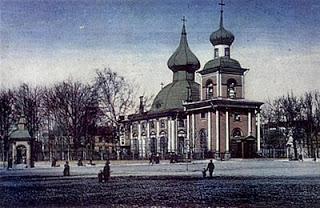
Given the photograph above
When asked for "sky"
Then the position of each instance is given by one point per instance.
(47, 41)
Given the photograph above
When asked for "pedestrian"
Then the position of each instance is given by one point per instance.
(106, 171)
(100, 176)
(66, 171)
(204, 172)
(54, 162)
(210, 168)
(10, 161)
(157, 159)
(80, 162)
(151, 160)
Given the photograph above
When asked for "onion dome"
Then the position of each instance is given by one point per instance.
(183, 59)
(221, 36)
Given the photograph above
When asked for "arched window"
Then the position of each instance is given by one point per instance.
(180, 144)
(209, 89)
(232, 88)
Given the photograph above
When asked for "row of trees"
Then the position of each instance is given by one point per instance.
(69, 108)
(299, 118)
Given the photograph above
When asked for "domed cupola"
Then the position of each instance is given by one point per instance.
(221, 36)
(183, 59)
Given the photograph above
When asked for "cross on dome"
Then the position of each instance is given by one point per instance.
(222, 4)
(221, 36)
(184, 20)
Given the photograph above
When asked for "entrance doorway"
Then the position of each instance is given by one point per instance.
(21, 154)
(243, 148)
(180, 145)
(153, 146)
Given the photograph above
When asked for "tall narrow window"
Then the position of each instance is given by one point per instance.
(232, 88)
(216, 52)
(227, 52)
(152, 124)
(209, 89)
(162, 124)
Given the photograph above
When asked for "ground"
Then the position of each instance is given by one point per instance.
(236, 183)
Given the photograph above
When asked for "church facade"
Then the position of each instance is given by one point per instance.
(207, 120)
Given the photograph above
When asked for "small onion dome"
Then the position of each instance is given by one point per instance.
(221, 36)
(183, 58)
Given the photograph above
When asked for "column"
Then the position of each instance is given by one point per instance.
(242, 83)
(140, 140)
(28, 156)
(209, 130)
(169, 133)
(143, 143)
(258, 131)
(227, 131)
(131, 139)
(193, 146)
(249, 123)
(158, 136)
(217, 81)
(176, 136)
(14, 149)
(173, 135)
(148, 139)
(188, 130)
(220, 85)
(217, 133)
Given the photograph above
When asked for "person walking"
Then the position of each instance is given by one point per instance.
(66, 171)
(210, 167)
(106, 171)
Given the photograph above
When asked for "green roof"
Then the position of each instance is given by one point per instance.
(174, 94)
(20, 134)
(183, 58)
(224, 64)
(221, 36)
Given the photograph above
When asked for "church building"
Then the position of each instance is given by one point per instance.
(207, 120)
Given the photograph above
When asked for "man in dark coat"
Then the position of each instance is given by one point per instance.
(210, 168)
(66, 171)
(106, 171)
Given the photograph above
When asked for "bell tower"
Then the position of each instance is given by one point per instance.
(222, 77)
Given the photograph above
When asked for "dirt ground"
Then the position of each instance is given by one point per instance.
(162, 191)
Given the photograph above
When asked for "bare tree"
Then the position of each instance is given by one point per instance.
(316, 130)
(74, 109)
(272, 119)
(292, 112)
(28, 103)
(307, 103)
(6, 120)
(115, 95)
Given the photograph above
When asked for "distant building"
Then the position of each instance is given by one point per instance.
(210, 119)
(20, 144)
(279, 139)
